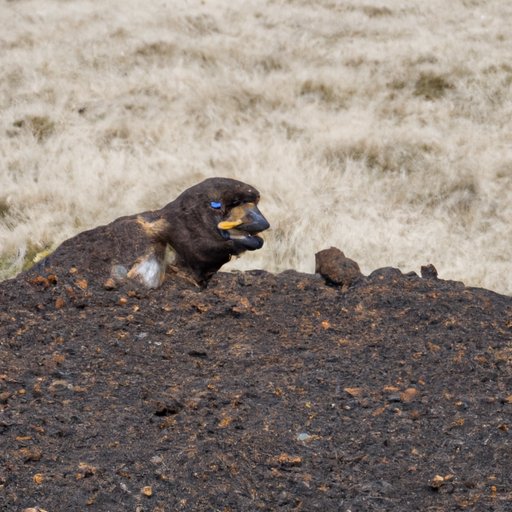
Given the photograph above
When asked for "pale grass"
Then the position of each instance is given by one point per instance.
(382, 128)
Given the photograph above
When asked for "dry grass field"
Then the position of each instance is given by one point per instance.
(381, 127)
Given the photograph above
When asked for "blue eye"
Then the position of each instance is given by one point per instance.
(215, 205)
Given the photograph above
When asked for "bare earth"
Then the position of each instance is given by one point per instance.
(263, 392)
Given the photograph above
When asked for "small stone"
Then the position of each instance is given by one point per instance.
(147, 491)
(325, 324)
(336, 268)
(408, 395)
(354, 392)
(225, 422)
(109, 284)
(289, 460)
(119, 272)
(85, 470)
(438, 481)
(82, 284)
(38, 478)
(31, 454)
(428, 271)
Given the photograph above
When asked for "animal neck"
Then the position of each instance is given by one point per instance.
(193, 255)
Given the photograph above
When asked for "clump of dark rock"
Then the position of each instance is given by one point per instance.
(262, 392)
(336, 268)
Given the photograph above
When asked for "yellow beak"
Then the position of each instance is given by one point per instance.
(229, 224)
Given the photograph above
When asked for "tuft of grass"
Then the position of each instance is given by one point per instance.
(389, 158)
(325, 92)
(160, 49)
(431, 86)
(270, 63)
(115, 135)
(202, 24)
(34, 254)
(4, 207)
(41, 127)
(376, 12)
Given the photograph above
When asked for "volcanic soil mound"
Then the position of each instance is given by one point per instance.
(265, 392)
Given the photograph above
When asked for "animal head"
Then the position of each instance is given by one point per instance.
(212, 221)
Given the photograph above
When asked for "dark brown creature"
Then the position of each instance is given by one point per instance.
(203, 227)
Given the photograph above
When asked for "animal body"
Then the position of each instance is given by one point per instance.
(192, 236)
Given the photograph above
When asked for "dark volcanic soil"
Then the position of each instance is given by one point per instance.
(262, 392)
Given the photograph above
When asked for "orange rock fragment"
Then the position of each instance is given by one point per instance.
(289, 460)
(147, 491)
(379, 411)
(433, 347)
(459, 422)
(38, 478)
(224, 422)
(85, 470)
(32, 454)
(82, 284)
(438, 481)
(109, 284)
(58, 358)
(408, 395)
(355, 392)
(40, 280)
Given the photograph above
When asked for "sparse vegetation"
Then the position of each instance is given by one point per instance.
(159, 49)
(4, 207)
(373, 11)
(41, 127)
(431, 86)
(344, 114)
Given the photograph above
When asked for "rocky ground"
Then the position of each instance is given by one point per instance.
(262, 392)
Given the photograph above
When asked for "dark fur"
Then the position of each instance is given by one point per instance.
(188, 224)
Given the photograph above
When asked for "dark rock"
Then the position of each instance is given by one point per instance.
(428, 271)
(336, 268)
(386, 273)
(166, 407)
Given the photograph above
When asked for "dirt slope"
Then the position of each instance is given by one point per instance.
(262, 392)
